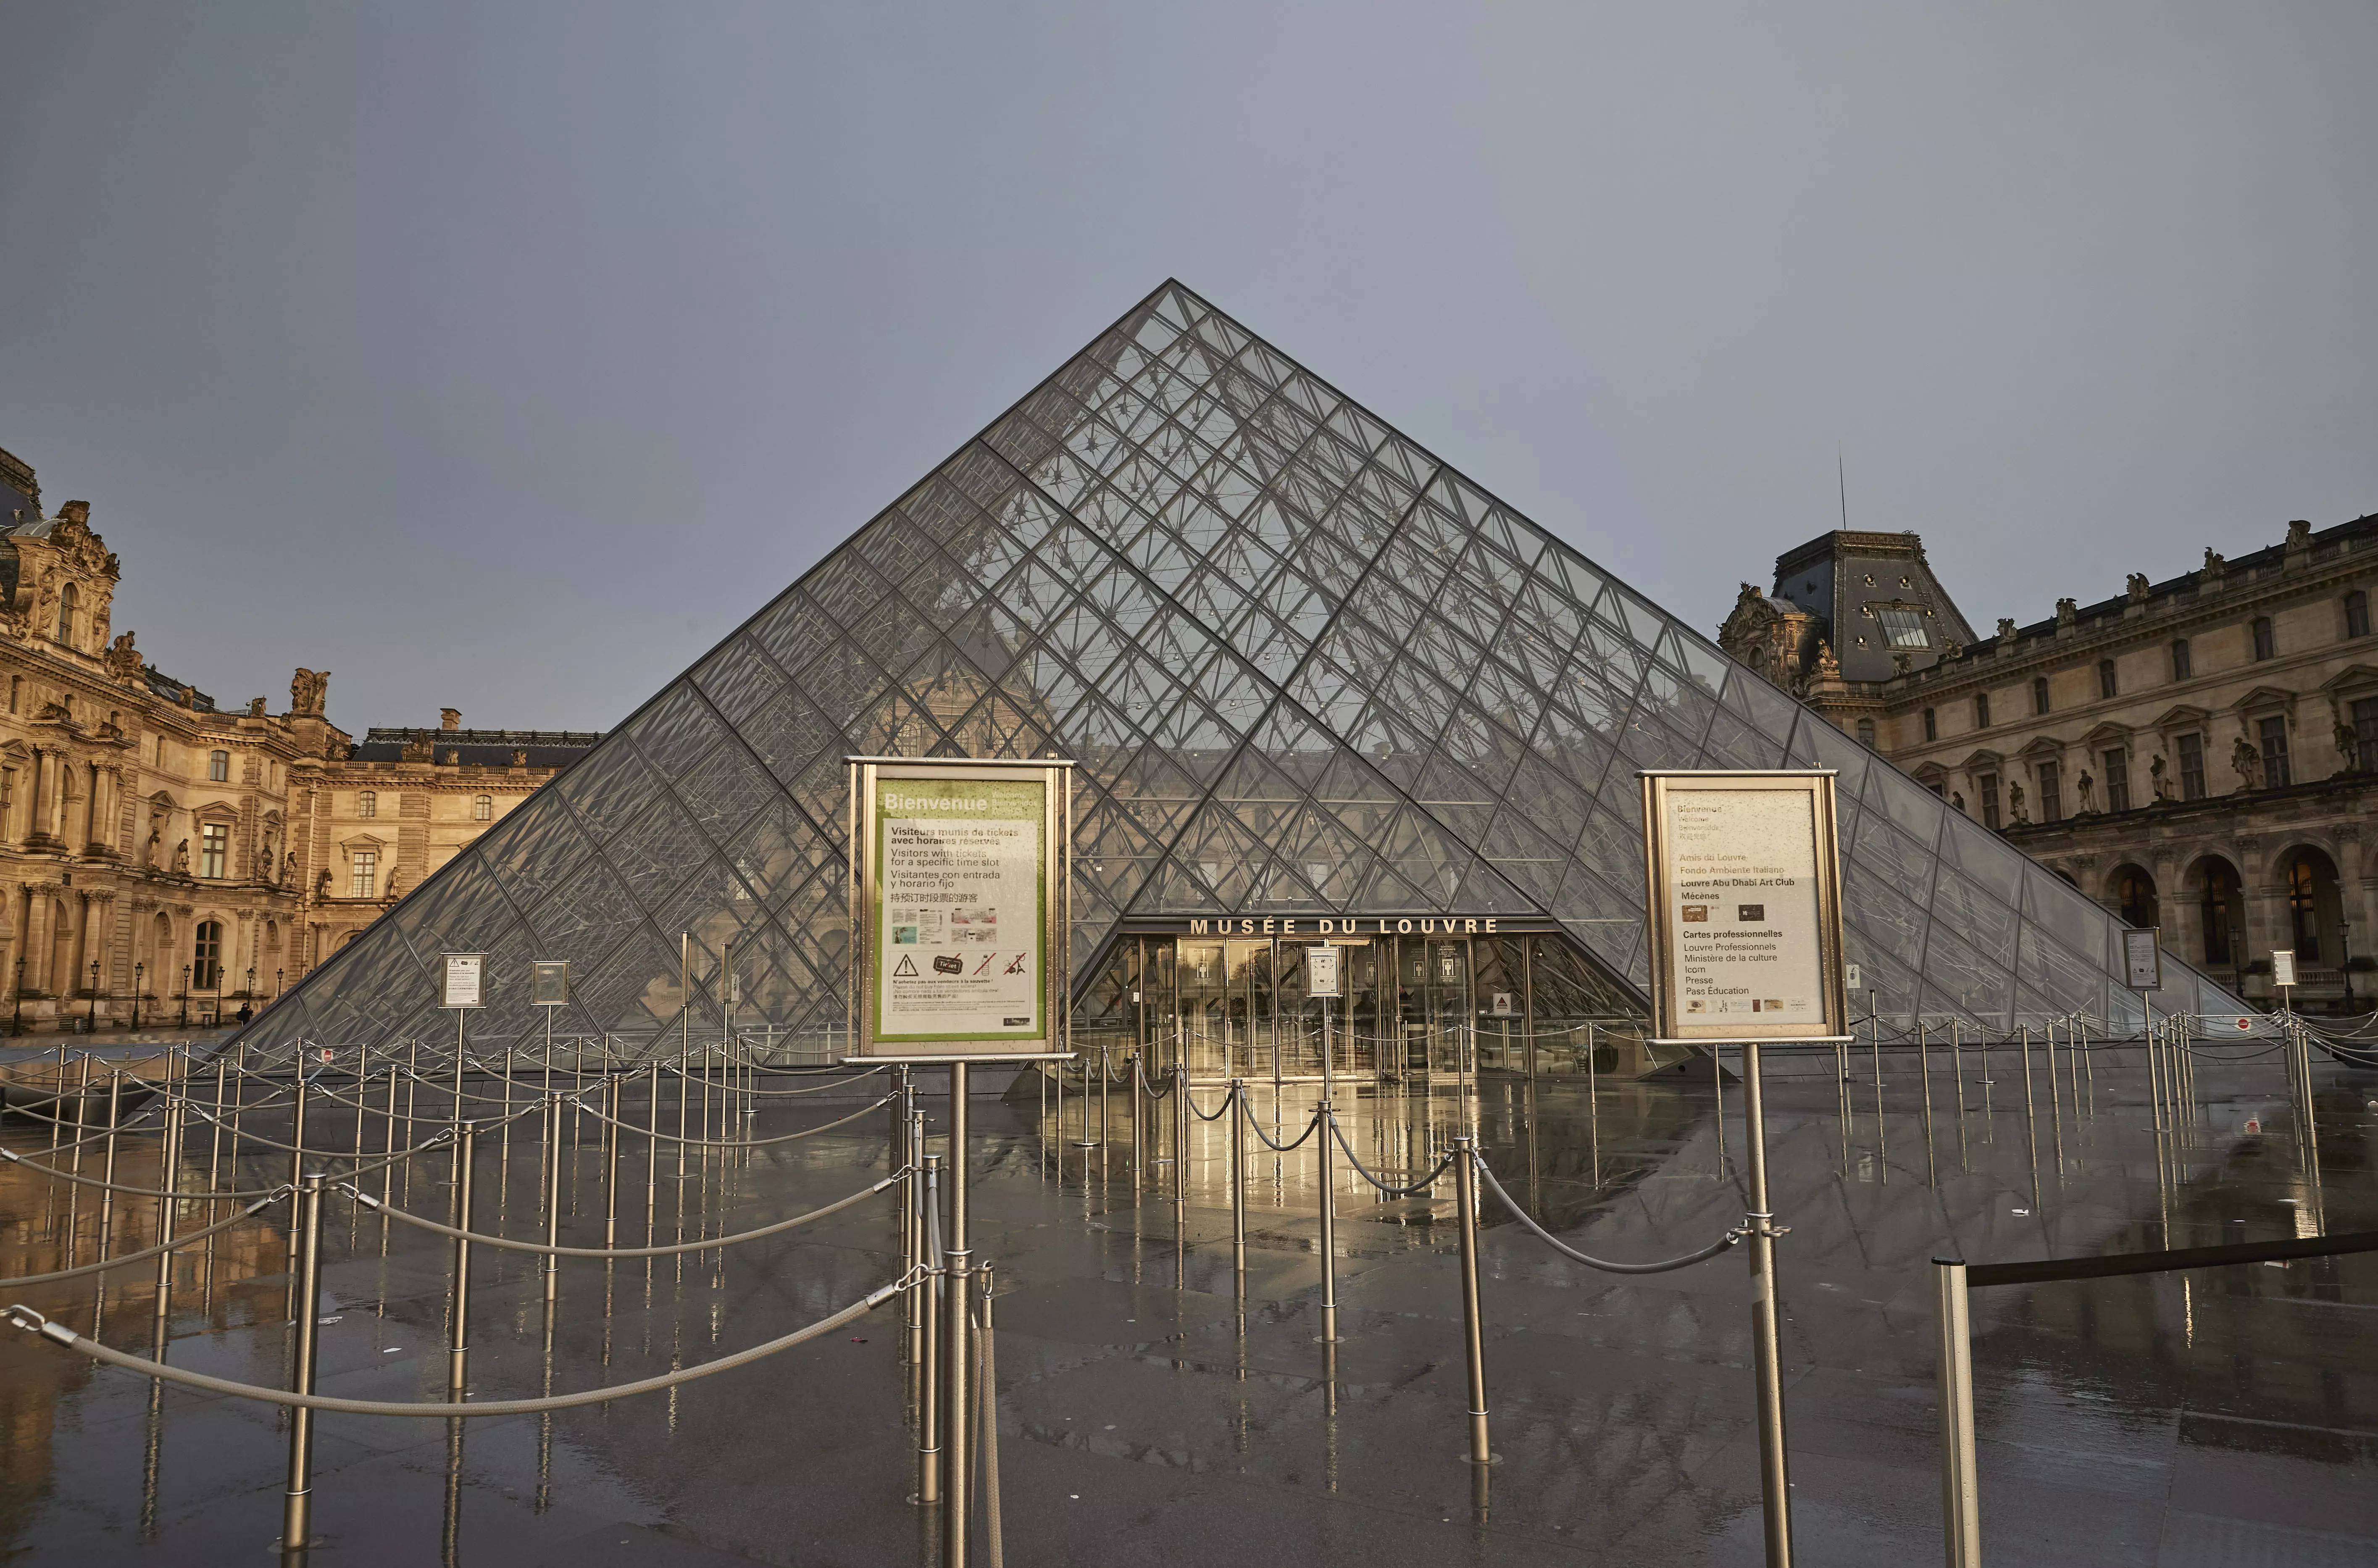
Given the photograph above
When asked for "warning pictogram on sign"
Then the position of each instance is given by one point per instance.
(905, 968)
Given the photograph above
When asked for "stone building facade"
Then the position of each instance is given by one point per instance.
(163, 859)
(2199, 754)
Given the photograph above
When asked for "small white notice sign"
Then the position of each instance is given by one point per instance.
(2141, 960)
(2282, 967)
(464, 980)
(1746, 924)
(1321, 971)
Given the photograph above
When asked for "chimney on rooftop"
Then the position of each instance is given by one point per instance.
(450, 718)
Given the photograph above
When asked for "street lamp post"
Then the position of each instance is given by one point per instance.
(276, 985)
(93, 1027)
(186, 997)
(136, 968)
(2345, 958)
(250, 994)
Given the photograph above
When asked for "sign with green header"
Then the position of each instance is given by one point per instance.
(960, 912)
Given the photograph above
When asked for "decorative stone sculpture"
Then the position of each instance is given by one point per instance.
(2014, 806)
(123, 660)
(2161, 784)
(2088, 790)
(181, 858)
(2006, 629)
(306, 691)
(2136, 584)
(2248, 764)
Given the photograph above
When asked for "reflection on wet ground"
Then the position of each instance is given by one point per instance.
(1152, 1411)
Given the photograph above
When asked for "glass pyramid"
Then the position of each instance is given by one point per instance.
(1305, 668)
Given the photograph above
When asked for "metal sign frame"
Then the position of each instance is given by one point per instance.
(2142, 955)
(1322, 964)
(1671, 1021)
(1052, 1035)
(548, 982)
(468, 968)
(2283, 968)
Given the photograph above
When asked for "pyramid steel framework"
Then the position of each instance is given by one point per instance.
(1307, 668)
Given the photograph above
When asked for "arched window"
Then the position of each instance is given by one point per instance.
(67, 597)
(2134, 892)
(2220, 908)
(218, 767)
(2303, 903)
(368, 804)
(483, 809)
(206, 956)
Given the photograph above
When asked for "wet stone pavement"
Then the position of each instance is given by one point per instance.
(1152, 1411)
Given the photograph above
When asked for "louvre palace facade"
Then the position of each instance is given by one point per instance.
(2198, 753)
(163, 860)
(1320, 686)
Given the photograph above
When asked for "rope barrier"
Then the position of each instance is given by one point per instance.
(15, 1158)
(1265, 1137)
(1423, 1185)
(737, 1143)
(105, 1263)
(702, 1245)
(1605, 1265)
(24, 1317)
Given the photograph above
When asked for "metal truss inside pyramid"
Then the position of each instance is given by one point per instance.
(1305, 668)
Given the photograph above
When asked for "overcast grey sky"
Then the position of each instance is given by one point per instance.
(507, 355)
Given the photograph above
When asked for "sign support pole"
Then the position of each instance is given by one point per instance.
(1767, 1351)
(958, 1316)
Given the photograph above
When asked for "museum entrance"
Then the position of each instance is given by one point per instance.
(1415, 1007)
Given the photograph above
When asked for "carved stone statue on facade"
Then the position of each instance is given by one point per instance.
(149, 851)
(2088, 790)
(123, 660)
(2158, 779)
(288, 868)
(306, 691)
(395, 879)
(2006, 629)
(323, 884)
(2215, 563)
(2068, 611)
(1828, 666)
(181, 858)
(2248, 764)
(2348, 746)
(2136, 585)
(2014, 806)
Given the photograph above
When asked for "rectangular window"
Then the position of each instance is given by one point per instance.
(2357, 615)
(2365, 733)
(2039, 694)
(7, 801)
(1931, 725)
(16, 690)
(1937, 787)
(214, 848)
(2108, 684)
(1865, 733)
(2274, 734)
(2192, 767)
(368, 804)
(2051, 792)
(1905, 629)
(1982, 711)
(1988, 784)
(2118, 778)
(2182, 668)
(2266, 640)
(218, 767)
(365, 879)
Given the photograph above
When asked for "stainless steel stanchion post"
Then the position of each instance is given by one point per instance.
(1180, 1159)
(1961, 1514)
(1465, 1190)
(1139, 1131)
(611, 1163)
(552, 1197)
(914, 1204)
(957, 1360)
(929, 1412)
(1767, 1351)
(297, 1501)
(1329, 1225)
(1238, 1114)
(168, 1213)
(457, 1348)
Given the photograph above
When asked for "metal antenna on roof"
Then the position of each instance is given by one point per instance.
(1841, 476)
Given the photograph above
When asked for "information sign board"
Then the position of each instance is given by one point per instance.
(548, 982)
(463, 982)
(2282, 967)
(958, 907)
(2142, 959)
(1743, 882)
(1502, 1008)
(1321, 971)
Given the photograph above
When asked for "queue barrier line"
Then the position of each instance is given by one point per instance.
(1607, 1265)
(177, 1242)
(15, 1158)
(704, 1244)
(737, 1143)
(1415, 1189)
(1312, 1123)
(26, 1317)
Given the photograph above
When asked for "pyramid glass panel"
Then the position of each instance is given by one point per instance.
(1306, 671)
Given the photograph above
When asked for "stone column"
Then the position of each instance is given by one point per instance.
(38, 916)
(99, 925)
(78, 965)
(245, 953)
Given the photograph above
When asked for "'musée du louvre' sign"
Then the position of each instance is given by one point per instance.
(1364, 926)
